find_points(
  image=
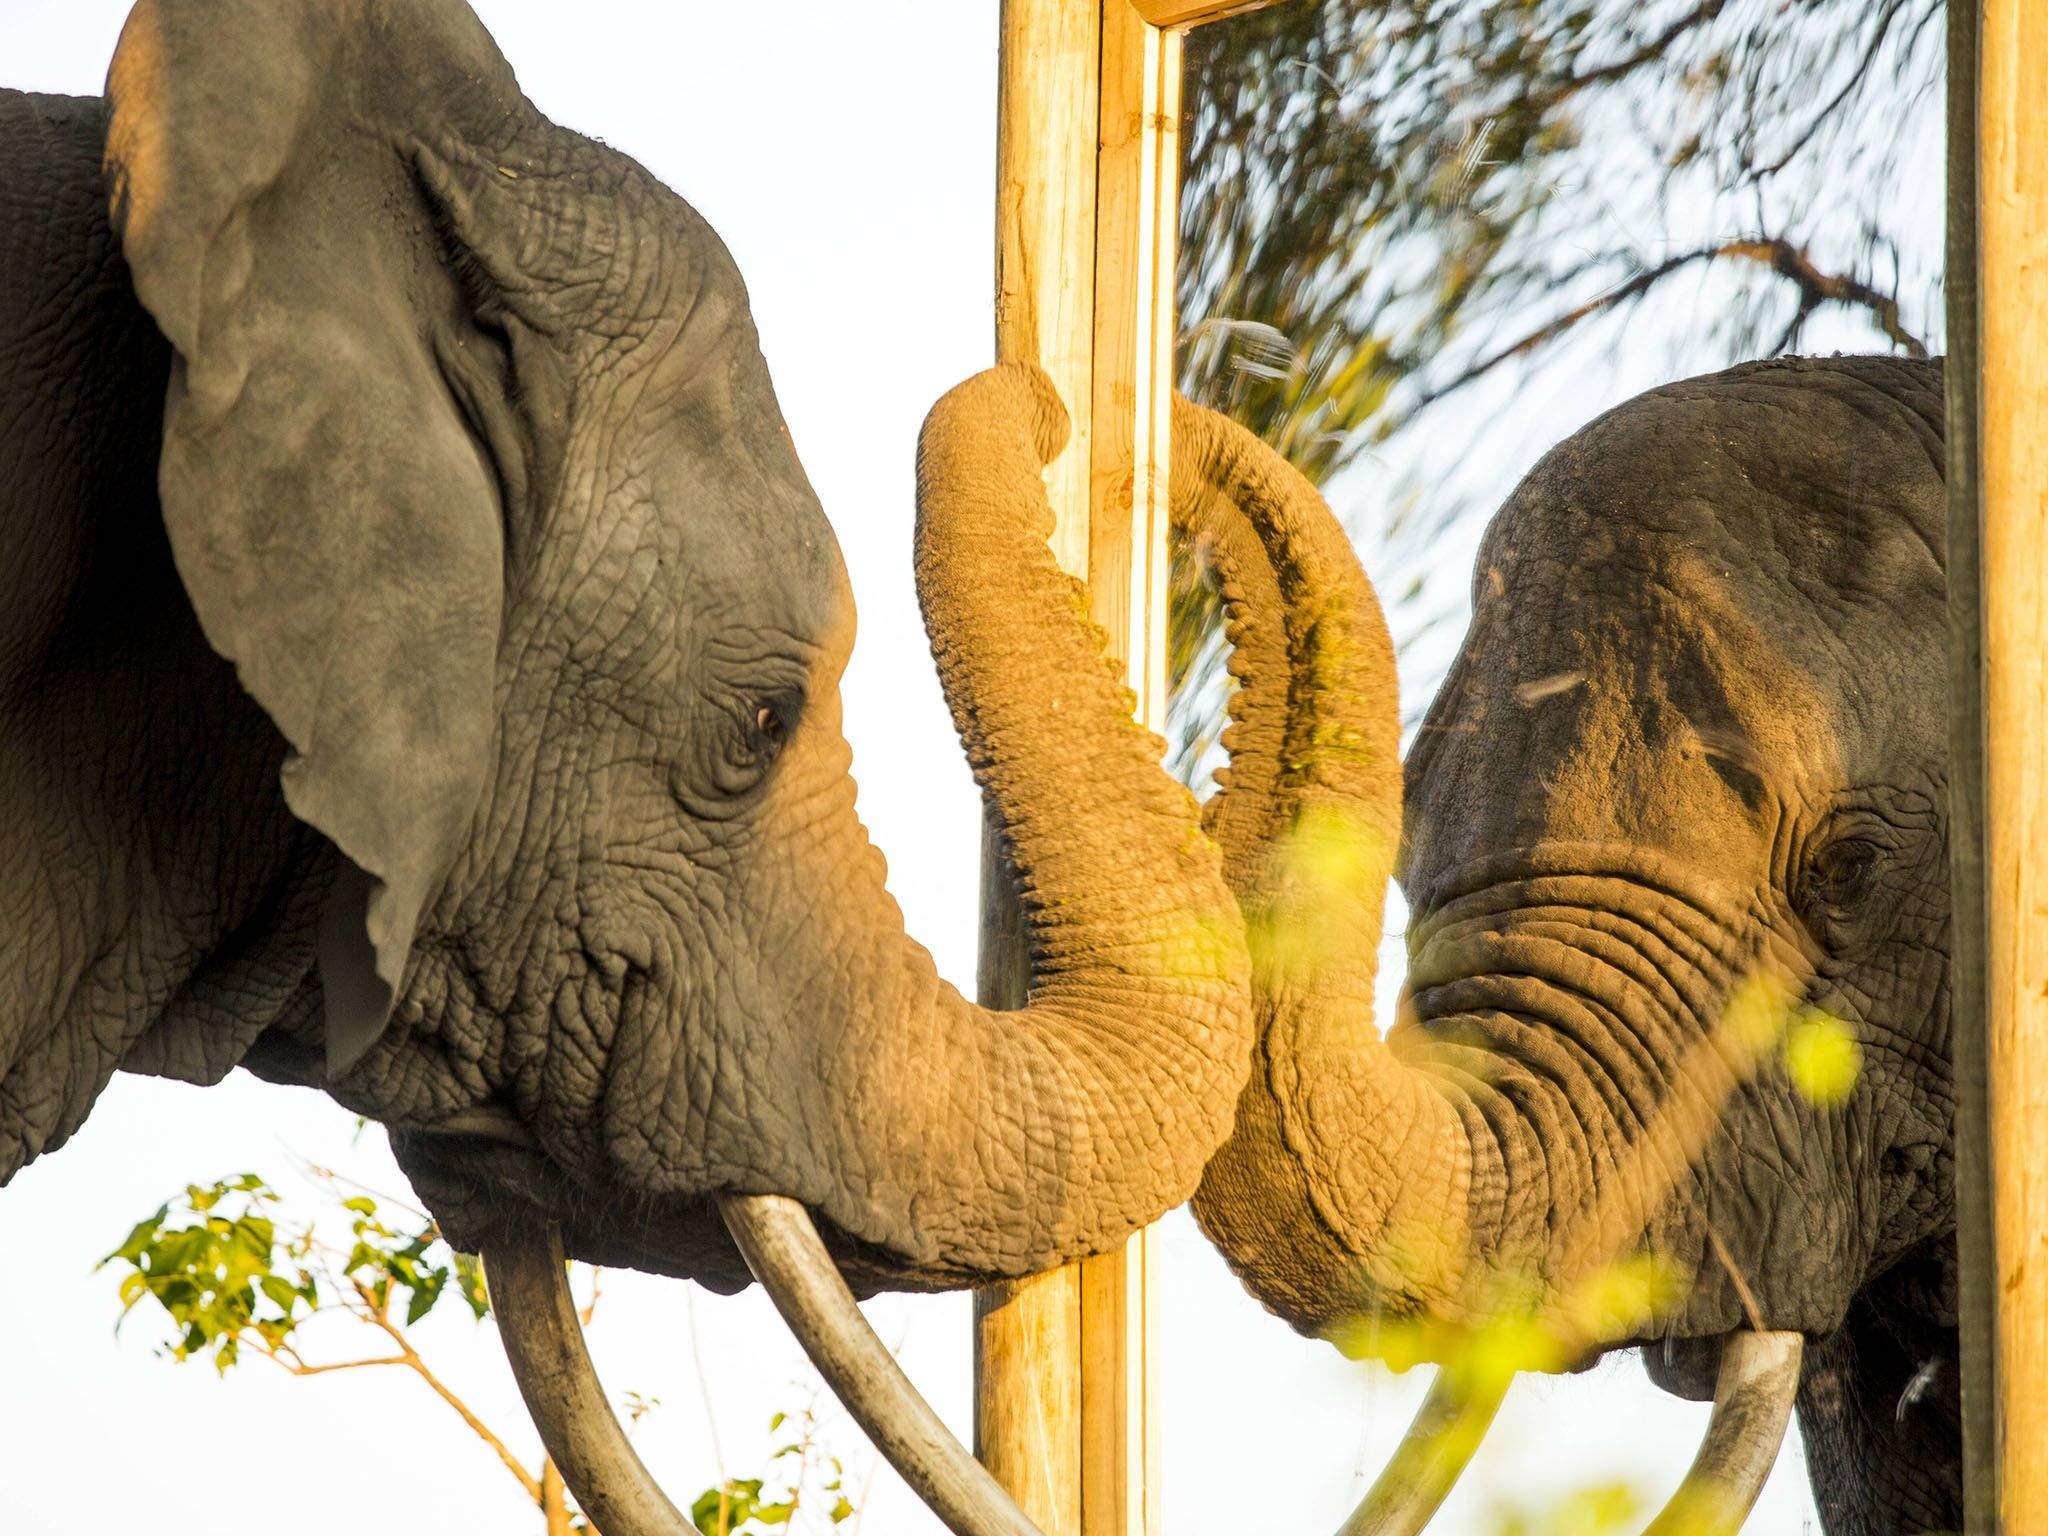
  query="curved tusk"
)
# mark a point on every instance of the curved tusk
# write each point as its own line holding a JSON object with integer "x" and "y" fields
{"x": 544, "y": 1341}
{"x": 1448, "y": 1427}
{"x": 1752, "y": 1405}
{"x": 783, "y": 1249}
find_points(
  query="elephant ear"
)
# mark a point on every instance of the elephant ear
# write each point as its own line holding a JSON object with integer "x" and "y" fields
{"x": 333, "y": 516}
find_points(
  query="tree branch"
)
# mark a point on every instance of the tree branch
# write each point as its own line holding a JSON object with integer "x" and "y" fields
{"x": 1651, "y": 52}
{"x": 1858, "y": 78}
{"x": 1789, "y": 261}
{"x": 300, "y": 1368}
{"x": 1817, "y": 287}
{"x": 421, "y": 1369}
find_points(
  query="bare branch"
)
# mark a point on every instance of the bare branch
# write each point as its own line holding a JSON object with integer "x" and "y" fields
{"x": 1651, "y": 52}
{"x": 1858, "y": 78}
{"x": 477, "y": 1426}
{"x": 1817, "y": 287}
{"x": 1788, "y": 260}
{"x": 299, "y": 1367}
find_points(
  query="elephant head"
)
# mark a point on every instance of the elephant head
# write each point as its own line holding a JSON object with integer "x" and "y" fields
{"x": 525, "y": 823}
{"x": 1672, "y": 1064}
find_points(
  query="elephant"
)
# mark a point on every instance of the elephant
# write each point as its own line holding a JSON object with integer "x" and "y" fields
{"x": 1675, "y": 833}
{"x": 419, "y": 681}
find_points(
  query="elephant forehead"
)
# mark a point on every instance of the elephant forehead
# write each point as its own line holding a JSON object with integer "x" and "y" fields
{"x": 692, "y": 515}
{"x": 1821, "y": 477}
{"x": 1770, "y": 536}
{"x": 771, "y": 560}
{"x": 1649, "y": 704}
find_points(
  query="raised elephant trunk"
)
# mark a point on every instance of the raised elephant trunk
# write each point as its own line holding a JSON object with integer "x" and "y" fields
{"x": 1309, "y": 820}
{"x": 1031, "y": 1136}
{"x": 1369, "y": 1182}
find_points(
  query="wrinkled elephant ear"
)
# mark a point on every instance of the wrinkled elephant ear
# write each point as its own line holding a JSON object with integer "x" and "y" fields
{"x": 334, "y": 519}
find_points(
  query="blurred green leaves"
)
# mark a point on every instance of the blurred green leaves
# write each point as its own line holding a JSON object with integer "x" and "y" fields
{"x": 231, "y": 1269}
{"x": 228, "y": 1276}
{"x": 799, "y": 1476}
{"x": 213, "y": 1262}
{"x": 1823, "y": 1057}
{"x": 1602, "y": 1509}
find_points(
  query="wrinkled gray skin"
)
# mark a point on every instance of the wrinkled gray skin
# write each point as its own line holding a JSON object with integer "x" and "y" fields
{"x": 1747, "y": 572}
{"x": 1698, "y": 727}
{"x": 385, "y": 469}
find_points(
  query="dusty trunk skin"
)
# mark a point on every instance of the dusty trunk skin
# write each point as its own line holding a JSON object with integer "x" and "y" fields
{"x": 1682, "y": 789}
{"x": 1334, "y": 1134}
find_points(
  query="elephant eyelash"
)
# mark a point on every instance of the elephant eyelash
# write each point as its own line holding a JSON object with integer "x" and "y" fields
{"x": 1840, "y": 875}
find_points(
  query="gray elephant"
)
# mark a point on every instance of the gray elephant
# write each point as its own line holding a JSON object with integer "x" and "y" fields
{"x": 420, "y": 677}
{"x": 1678, "y": 975}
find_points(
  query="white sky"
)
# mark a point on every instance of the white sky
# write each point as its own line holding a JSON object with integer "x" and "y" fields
{"x": 846, "y": 155}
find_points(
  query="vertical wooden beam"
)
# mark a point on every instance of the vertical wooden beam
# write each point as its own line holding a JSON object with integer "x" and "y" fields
{"x": 1977, "y": 1282}
{"x": 1137, "y": 209}
{"x": 1027, "y": 1335}
{"x": 2012, "y": 338}
{"x": 1066, "y": 1374}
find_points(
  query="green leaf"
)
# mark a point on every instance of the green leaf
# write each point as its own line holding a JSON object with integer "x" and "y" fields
{"x": 469, "y": 1279}
{"x": 140, "y": 1238}
{"x": 282, "y": 1293}
{"x": 722, "y": 1511}
{"x": 424, "y": 1295}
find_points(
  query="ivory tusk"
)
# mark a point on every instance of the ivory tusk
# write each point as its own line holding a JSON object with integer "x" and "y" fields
{"x": 1432, "y": 1455}
{"x": 1752, "y": 1405}
{"x": 783, "y": 1249}
{"x": 544, "y": 1341}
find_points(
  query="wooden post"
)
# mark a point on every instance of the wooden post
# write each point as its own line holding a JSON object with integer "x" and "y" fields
{"x": 1065, "y": 1364}
{"x": 1977, "y": 1301}
{"x": 1137, "y": 206}
{"x": 1027, "y": 1335}
{"x": 1087, "y": 203}
{"x": 2012, "y": 480}
{"x": 1192, "y": 13}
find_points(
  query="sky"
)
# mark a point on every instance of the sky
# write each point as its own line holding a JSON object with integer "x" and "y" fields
{"x": 846, "y": 156}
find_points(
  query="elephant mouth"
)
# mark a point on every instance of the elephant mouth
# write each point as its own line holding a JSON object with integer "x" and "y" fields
{"x": 485, "y": 1176}
{"x": 1582, "y": 979}
{"x": 505, "y": 1199}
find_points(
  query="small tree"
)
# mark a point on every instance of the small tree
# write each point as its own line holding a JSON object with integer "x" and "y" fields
{"x": 238, "y": 1275}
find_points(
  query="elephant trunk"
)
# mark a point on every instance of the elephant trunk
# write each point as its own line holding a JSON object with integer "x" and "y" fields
{"x": 1022, "y": 1139}
{"x": 1344, "y": 1186}
{"x": 1574, "y": 1036}
{"x": 1519, "y": 1129}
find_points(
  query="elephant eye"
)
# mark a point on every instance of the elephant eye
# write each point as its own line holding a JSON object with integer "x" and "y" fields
{"x": 1841, "y": 876}
{"x": 746, "y": 731}
{"x": 775, "y": 716}
{"x": 760, "y": 729}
